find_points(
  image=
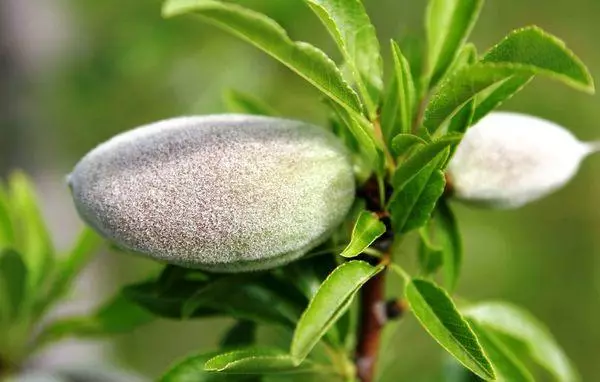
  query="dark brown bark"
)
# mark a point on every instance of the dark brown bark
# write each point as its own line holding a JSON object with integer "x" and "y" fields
{"x": 372, "y": 319}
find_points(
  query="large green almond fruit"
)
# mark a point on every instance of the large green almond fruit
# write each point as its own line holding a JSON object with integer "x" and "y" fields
{"x": 224, "y": 193}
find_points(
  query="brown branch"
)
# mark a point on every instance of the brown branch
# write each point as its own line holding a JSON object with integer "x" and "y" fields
{"x": 372, "y": 317}
{"x": 373, "y": 312}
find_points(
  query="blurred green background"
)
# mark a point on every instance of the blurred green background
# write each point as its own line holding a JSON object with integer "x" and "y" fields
{"x": 75, "y": 72}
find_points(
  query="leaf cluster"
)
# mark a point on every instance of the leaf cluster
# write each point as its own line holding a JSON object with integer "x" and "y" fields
{"x": 35, "y": 277}
{"x": 401, "y": 128}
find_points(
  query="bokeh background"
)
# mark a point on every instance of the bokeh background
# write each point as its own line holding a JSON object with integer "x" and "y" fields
{"x": 75, "y": 72}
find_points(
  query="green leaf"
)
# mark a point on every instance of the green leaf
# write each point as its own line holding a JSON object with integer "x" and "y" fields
{"x": 544, "y": 54}
{"x": 71, "y": 265}
{"x": 244, "y": 298}
{"x": 448, "y": 25}
{"x": 7, "y": 232}
{"x": 467, "y": 56}
{"x": 308, "y": 273}
{"x": 119, "y": 315}
{"x": 461, "y": 87}
{"x": 165, "y": 296}
{"x": 412, "y": 207}
{"x": 451, "y": 242}
{"x": 165, "y": 302}
{"x": 507, "y": 365}
{"x": 364, "y": 135}
{"x": 436, "y": 312}
{"x": 304, "y": 59}
{"x": 525, "y": 52}
{"x": 405, "y": 96}
{"x": 413, "y": 46}
{"x": 239, "y": 102}
{"x": 366, "y": 230}
{"x": 344, "y": 134}
{"x": 331, "y": 301}
{"x": 514, "y": 322}
{"x": 257, "y": 361}
{"x": 13, "y": 282}
{"x": 389, "y": 123}
{"x": 348, "y": 325}
{"x": 463, "y": 119}
{"x": 191, "y": 369}
{"x": 430, "y": 256}
{"x": 404, "y": 143}
{"x": 255, "y": 297}
{"x": 495, "y": 96}
{"x": 347, "y": 21}
{"x": 32, "y": 235}
{"x": 398, "y": 107}
{"x": 425, "y": 155}
{"x": 242, "y": 333}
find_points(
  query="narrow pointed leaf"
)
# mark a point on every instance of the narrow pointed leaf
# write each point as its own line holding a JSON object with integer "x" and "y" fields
{"x": 466, "y": 57}
{"x": 398, "y": 107}
{"x": 304, "y": 59}
{"x": 331, "y": 301}
{"x": 430, "y": 256}
{"x": 404, "y": 143}
{"x": 13, "y": 282}
{"x": 7, "y": 233}
{"x": 420, "y": 159}
{"x": 165, "y": 303}
{"x": 309, "y": 273}
{"x": 448, "y": 24}
{"x": 191, "y": 369}
{"x": 118, "y": 315}
{"x": 347, "y": 21}
{"x": 239, "y": 102}
{"x": 451, "y": 242}
{"x": 244, "y": 297}
{"x": 390, "y": 125}
{"x": 507, "y": 365}
{"x": 463, "y": 119}
{"x": 544, "y": 54}
{"x": 69, "y": 267}
{"x": 519, "y": 324}
{"x": 437, "y": 313}
{"x": 490, "y": 99}
{"x": 406, "y": 90}
{"x": 257, "y": 361}
{"x": 525, "y": 52}
{"x": 32, "y": 235}
{"x": 366, "y": 230}
{"x": 413, "y": 205}
{"x": 441, "y": 245}
{"x": 461, "y": 87}
{"x": 369, "y": 145}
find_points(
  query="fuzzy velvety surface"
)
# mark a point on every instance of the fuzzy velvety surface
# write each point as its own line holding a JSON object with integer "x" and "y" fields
{"x": 509, "y": 159}
{"x": 224, "y": 193}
